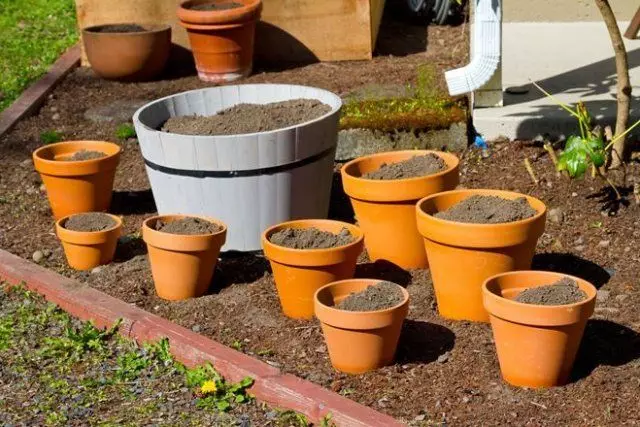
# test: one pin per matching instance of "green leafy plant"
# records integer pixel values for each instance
(51, 137)
(214, 392)
(75, 342)
(291, 419)
(125, 131)
(326, 421)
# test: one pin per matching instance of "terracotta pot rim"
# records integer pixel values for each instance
(61, 221)
(152, 28)
(248, 12)
(37, 154)
(332, 309)
(222, 225)
(354, 230)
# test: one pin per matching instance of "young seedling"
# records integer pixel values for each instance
(125, 131)
(51, 137)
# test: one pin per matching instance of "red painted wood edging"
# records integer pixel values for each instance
(271, 385)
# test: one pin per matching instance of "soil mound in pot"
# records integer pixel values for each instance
(119, 28)
(85, 155)
(564, 291)
(414, 167)
(488, 210)
(248, 118)
(310, 238)
(215, 6)
(188, 226)
(377, 297)
(90, 222)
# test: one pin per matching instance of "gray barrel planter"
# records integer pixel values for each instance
(249, 181)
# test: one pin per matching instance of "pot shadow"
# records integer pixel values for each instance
(340, 207)
(383, 270)
(180, 64)
(573, 265)
(605, 343)
(290, 53)
(128, 248)
(235, 268)
(423, 342)
(133, 202)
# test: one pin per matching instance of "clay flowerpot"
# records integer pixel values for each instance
(385, 209)
(129, 52)
(85, 250)
(77, 186)
(358, 341)
(182, 265)
(299, 273)
(536, 344)
(462, 255)
(221, 34)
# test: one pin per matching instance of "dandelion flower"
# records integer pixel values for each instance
(209, 387)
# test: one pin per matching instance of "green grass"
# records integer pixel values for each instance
(33, 34)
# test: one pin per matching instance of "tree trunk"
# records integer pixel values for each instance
(619, 151)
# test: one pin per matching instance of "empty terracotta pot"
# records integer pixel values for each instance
(299, 273)
(182, 265)
(221, 34)
(462, 256)
(385, 209)
(117, 52)
(536, 344)
(77, 186)
(358, 341)
(85, 250)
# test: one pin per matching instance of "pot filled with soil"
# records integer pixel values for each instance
(89, 239)
(183, 253)
(251, 155)
(361, 321)
(78, 175)
(127, 51)
(221, 34)
(538, 319)
(470, 235)
(306, 255)
(384, 189)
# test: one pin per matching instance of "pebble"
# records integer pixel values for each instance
(196, 328)
(621, 297)
(603, 296)
(37, 256)
(420, 417)
(627, 249)
(96, 270)
(556, 215)
(444, 357)
(46, 253)
(274, 364)
(31, 190)
(43, 189)
(610, 310)
(574, 194)
(156, 308)
(383, 402)
(321, 349)
(466, 399)
(26, 162)
(56, 116)
(604, 244)
(579, 241)
(579, 248)
(53, 109)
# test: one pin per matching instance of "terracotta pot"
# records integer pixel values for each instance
(78, 186)
(385, 209)
(85, 250)
(536, 344)
(462, 256)
(221, 40)
(358, 341)
(128, 56)
(299, 273)
(182, 265)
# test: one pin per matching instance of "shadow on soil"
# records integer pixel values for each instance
(608, 199)
(129, 248)
(573, 265)
(605, 343)
(383, 270)
(238, 268)
(133, 202)
(423, 342)
(340, 206)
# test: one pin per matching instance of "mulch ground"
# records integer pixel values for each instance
(446, 372)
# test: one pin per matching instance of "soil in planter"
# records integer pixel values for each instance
(188, 226)
(488, 210)
(85, 155)
(119, 28)
(564, 291)
(248, 118)
(215, 6)
(377, 297)
(310, 238)
(414, 167)
(90, 222)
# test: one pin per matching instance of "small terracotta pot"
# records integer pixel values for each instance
(299, 273)
(79, 186)
(358, 341)
(536, 344)
(221, 40)
(128, 56)
(182, 265)
(85, 250)
(462, 256)
(385, 209)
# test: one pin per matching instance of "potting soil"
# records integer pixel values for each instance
(564, 291)
(187, 226)
(119, 28)
(215, 6)
(310, 238)
(414, 167)
(479, 209)
(91, 221)
(85, 155)
(376, 297)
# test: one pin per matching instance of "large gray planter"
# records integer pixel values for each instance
(249, 181)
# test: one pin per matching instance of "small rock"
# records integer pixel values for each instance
(549, 184)
(46, 253)
(196, 328)
(37, 256)
(31, 191)
(420, 417)
(604, 244)
(43, 189)
(53, 109)
(579, 241)
(321, 349)
(514, 414)
(156, 308)
(603, 296)
(274, 364)
(579, 248)
(627, 249)
(56, 116)
(96, 270)
(26, 162)
(574, 194)
(621, 297)
(271, 415)
(610, 310)
(466, 399)
(444, 357)
(383, 402)
(556, 215)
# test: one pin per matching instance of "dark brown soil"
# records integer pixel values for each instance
(414, 167)
(488, 210)
(376, 297)
(215, 6)
(92, 221)
(310, 238)
(119, 28)
(564, 291)
(85, 155)
(188, 226)
(249, 118)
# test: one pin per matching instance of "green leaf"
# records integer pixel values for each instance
(223, 405)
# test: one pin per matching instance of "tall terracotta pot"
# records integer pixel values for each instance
(221, 39)
(462, 256)
(77, 186)
(536, 345)
(385, 209)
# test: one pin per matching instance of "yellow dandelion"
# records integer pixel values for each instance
(208, 387)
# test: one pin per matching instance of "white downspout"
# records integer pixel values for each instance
(485, 50)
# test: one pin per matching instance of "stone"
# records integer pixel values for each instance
(574, 194)
(37, 256)
(556, 215)
(443, 357)
(321, 349)
(621, 298)
(46, 253)
(26, 163)
(604, 244)
(96, 270)
(610, 310)
(120, 111)
(196, 328)
(56, 116)
(579, 248)
(603, 296)
(420, 417)
(43, 189)
(579, 241)
(466, 399)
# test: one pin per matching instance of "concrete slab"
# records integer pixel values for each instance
(571, 60)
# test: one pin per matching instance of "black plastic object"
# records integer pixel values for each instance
(438, 10)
